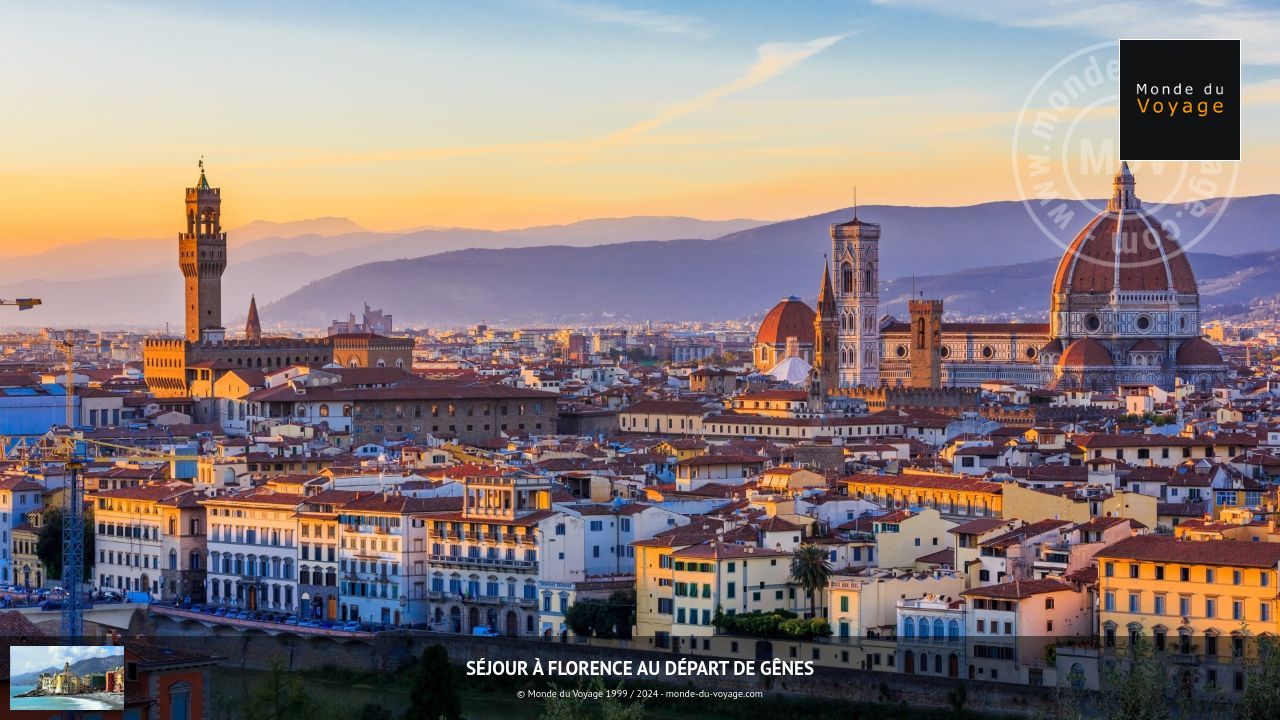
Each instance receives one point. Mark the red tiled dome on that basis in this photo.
(1198, 351)
(789, 318)
(1125, 235)
(1086, 352)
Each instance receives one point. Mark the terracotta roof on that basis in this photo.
(1085, 352)
(1198, 351)
(789, 318)
(1019, 589)
(1149, 258)
(927, 480)
(1231, 553)
(941, 557)
(716, 550)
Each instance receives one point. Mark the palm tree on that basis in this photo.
(811, 570)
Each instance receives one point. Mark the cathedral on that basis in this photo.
(172, 366)
(1124, 313)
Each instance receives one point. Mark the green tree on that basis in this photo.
(811, 570)
(1262, 684)
(610, 618)
(432, 694)
(1135, 687)
(612, 704)
(49, 544)
(279, 696)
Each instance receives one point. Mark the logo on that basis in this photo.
(1066, 159)
(1180, 99)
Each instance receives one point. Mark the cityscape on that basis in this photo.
(727, 441)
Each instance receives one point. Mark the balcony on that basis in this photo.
(482, 562)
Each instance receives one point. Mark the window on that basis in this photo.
(1135, 602)
(1184, 574)
(1133, 570)
(1210, 607)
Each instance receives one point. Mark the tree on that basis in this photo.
(610, 618)
(1135, 688)
(280, 696)
(612, 707)
(811, 570)
(1262, 688)
(432, 694)
(49, 544)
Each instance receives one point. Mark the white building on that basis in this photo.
(253, 551)
(18, 496)
(382, 559)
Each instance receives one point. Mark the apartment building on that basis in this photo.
(1010, 627)
(253, 550)
(18, 496)
(382, 558)
(486, 561)
(150, 538)
(1197, 599)
(318, 531)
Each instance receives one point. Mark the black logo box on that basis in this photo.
(1187, 69)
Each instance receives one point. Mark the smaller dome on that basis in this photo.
(1198, 351)
(1053, 347)
(1086, 352)
(789, 318)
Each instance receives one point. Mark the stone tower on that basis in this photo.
(826, 335)
(926, 343)
(253, 326)
(202, 255)
(855, 257)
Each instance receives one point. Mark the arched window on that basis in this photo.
(919, 333)
(924, 629)
(937, 629)
(324, 410)
(953, 631)
(866, 280)
(846, 278)
(908, 628)
(173, 559)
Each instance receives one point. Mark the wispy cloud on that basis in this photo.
(772, 59)
(650, 20)
(1256, 26)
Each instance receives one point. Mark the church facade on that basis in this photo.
(1124, 312)
(173, 365)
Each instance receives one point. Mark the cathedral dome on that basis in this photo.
(790, 318)
(1124, 249)
(1198, 351)
(1086, 352)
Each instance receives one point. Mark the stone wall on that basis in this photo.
(390, 652)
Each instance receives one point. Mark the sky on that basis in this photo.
(28, 659)
(511, 113)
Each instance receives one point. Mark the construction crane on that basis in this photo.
(23, 303)
(72, 508)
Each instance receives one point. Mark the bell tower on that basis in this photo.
(926, 343)
(202, 255)
(855, 255)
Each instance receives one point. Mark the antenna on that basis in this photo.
(855, 201)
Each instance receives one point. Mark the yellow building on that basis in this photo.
(682, 579)
(1196, 598)
(903, 536)
(1077, 503)
(956, 497)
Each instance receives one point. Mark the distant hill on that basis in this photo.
(82, 667)
(443, 277)
(983, 259)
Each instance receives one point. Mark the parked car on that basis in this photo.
(484, 631)
(351, 626)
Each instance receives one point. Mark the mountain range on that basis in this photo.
(80, 667)
(982, 259)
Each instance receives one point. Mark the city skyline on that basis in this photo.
(599, 110)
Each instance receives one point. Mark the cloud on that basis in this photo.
(25, 659)
(1256, 27)
(772, 59)
(639, 19)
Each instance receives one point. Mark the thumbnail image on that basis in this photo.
(66, 677)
